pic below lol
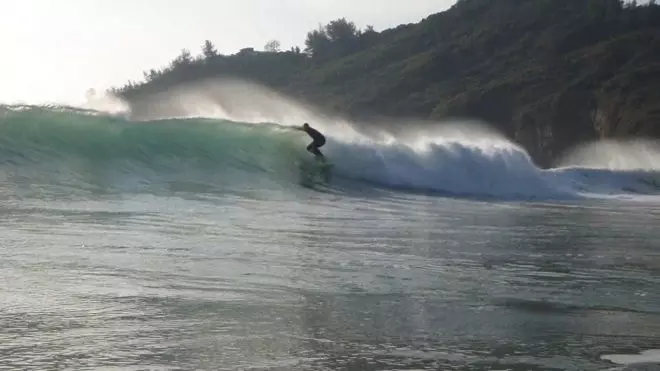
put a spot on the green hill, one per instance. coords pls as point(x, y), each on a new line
point(548, 73)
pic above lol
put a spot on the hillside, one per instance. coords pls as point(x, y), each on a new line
point(548, 73)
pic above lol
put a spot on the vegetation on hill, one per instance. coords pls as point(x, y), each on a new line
point(547, 73)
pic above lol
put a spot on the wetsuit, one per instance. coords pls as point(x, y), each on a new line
point(318, 140)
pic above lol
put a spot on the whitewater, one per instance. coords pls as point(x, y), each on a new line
point(193, 239)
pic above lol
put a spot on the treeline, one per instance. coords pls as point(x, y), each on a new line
point(272, 66)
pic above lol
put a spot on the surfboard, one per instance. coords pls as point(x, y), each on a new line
point(313, 172)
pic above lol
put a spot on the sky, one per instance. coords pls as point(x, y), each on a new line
point(54, 51)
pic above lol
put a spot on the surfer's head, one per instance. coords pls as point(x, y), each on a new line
point(306, 125)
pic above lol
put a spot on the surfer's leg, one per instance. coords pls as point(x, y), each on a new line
point(312, 148)
point(318, 154)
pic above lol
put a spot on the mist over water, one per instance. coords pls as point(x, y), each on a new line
point(638, 154)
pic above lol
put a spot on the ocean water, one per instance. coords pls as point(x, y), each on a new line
point(200, 244)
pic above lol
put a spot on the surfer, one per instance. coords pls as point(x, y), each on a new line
point(318, 140)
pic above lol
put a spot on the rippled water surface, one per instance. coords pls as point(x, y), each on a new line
point(323, 281)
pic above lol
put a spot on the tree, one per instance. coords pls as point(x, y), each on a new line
point(185, 58)
point(273, 46)
point(208, 50)
point(368, 37)
point(150, 75)
point(344, 36)
point(317, 43)
point(90, 93)
point(338, 38)
point(341, 30)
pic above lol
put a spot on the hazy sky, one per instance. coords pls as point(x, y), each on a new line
point(54, 50)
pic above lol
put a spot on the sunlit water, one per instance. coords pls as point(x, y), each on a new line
point(322, 281)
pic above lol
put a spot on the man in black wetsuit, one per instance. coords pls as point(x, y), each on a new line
point(318, 140)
